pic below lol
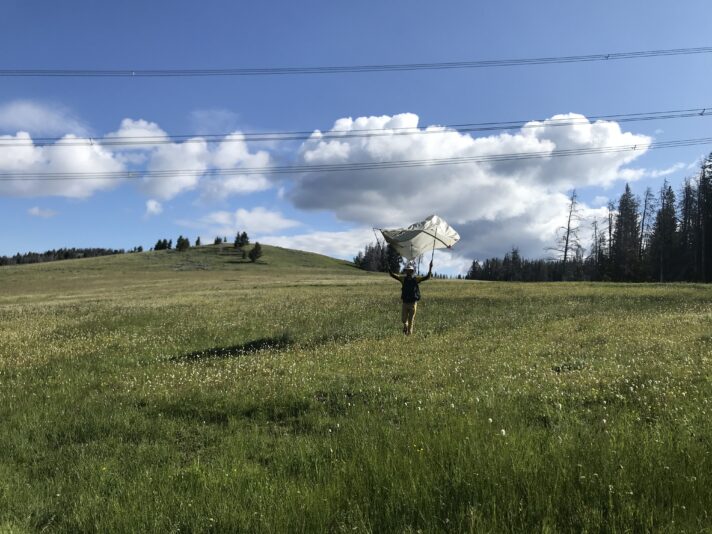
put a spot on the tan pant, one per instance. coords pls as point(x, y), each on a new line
point(408, 316)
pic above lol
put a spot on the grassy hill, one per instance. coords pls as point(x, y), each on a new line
point(194, 392)
point(208, 257)
point(117, 272)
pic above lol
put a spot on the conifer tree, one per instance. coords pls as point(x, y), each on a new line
point(256, 252)
point(626, 239)
point(393, 259)
point(687, 244)
point(182, 244)
point(663, 240)
point(475, 271)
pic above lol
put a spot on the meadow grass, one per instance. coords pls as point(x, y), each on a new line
point(196, 392)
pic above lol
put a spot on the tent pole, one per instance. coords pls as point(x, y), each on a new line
point(432, 257)
point(376, 235)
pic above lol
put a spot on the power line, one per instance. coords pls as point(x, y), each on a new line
point(341, 167)
point(335, 69)
point(358, 133)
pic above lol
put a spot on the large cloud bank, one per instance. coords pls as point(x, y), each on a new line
point(195, 155)
point(495, 204)
point(21, 154)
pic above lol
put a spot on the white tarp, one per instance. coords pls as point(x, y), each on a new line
point(421, 237)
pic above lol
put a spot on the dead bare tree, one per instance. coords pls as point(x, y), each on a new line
point(649, 205)
point(568, 237)
point(610, 226)
point(595, 244)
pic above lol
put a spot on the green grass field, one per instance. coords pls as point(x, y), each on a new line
point(169, 392)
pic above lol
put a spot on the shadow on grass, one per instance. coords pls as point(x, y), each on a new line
point(275, 344)
point(266, 343)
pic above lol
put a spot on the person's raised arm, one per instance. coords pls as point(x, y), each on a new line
point(430, 273)
point(395, 276)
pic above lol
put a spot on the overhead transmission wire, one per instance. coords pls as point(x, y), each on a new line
point(338, 69)
point(341, 167)
point(349, 134)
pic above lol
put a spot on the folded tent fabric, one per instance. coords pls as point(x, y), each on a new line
point(421, 237)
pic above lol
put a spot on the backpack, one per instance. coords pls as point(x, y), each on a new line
point(410, 292)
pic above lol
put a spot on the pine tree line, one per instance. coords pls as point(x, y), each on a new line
point(61, 254)
point(514, 268)
point(378, 258)
point(181, 244)
point(662, 237)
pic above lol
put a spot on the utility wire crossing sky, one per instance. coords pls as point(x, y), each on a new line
point(197, 137)
point(174, 173)
point(272, 71)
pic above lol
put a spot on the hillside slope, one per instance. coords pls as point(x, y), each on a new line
point(208, 257)
point(167, 269)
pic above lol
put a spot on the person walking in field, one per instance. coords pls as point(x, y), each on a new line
point(410, 294)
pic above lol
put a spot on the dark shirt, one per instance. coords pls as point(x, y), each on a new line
point(410, 292)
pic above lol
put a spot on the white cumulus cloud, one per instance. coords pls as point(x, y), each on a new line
point(193, 160)
point(24, 157)
point(177, 167)
point(233, 153)
point(137, 130)
point(495, 204)
point(189, 160)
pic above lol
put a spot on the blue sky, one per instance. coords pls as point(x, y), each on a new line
point(495, 208)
